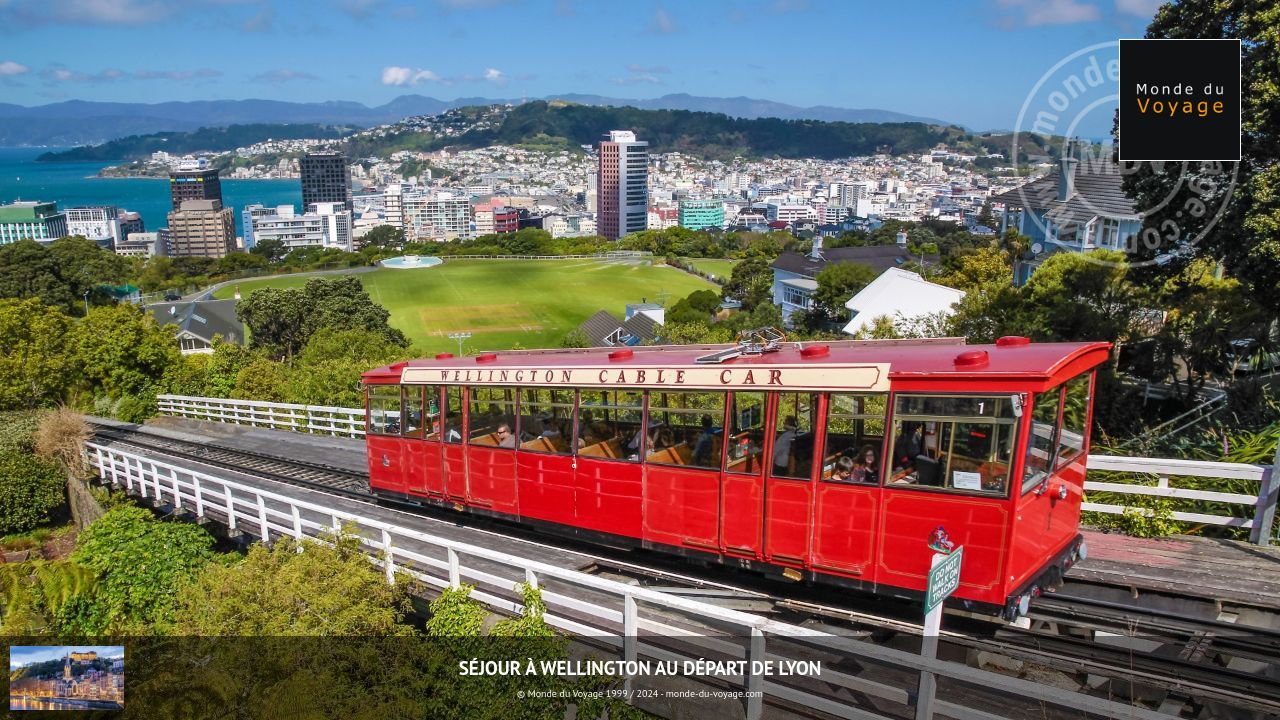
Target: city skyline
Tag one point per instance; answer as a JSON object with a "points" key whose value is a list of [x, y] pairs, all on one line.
{"points": [[21, 656], [898, 57]]}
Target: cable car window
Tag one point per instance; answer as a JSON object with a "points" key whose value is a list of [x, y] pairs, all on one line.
{"points": [[412, 411], [1075, 413], [1043, 440], [746, 433], [546, 421], [609, 425], [453, 414], [957, 443], [793, 435], [431, 408], [492, 417], [686, 428], [384, 409], [855, 434]]}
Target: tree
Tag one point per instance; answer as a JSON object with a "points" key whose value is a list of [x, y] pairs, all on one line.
{"points": [[223, 368], [987, 217], [750, 283], [29, 270], [282, 321], [1082, 296], [274, 250], [37, 357], [985, 267], [837, 283], [84, 265], [328, 589], [383, 236], [1246, 235], [124, 351], [141, 564], [239, 262], [575, 338]]}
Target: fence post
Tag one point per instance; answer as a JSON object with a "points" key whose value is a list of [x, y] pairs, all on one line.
{"points": [[755, 680], [1265, 515], [297, 526], [231, 507], [455, 572], [262, 518], [391, 563], [195, 483], [630, 636]]}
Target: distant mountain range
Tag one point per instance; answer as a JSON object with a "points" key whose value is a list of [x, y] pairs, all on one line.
{"points": [[80, 122]]}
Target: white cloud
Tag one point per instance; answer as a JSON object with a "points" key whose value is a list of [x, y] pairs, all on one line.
{"points": [[495, 75], [642, 78], [1140, 8], [88, 12], [1050, 12], [9, 68], [394, 75], [276, 77], [662, 22]]}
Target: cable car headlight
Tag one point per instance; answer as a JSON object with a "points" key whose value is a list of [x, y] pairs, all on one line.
{"points": [[1024, 604]]}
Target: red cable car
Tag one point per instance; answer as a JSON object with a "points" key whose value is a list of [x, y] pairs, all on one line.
{"points": [[848, 463]]}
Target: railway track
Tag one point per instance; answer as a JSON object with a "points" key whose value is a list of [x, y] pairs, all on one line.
{"points": [[1190, 659]]}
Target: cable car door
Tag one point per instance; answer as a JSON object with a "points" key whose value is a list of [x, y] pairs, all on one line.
{"points": [[847, 494], [454, 453], [789, 476]]}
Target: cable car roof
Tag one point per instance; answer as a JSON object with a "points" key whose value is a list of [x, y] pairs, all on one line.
{"points": [[825, 365]]}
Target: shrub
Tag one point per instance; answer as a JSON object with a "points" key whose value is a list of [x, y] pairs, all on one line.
{"points": [[17, 430], [60, 436], [135, 409], [30, 490]]}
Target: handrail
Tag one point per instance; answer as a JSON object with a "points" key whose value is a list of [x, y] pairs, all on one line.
{"points": [[275, 515], [350, 422]]}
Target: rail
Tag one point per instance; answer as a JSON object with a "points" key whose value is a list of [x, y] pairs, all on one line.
{"points": [[314, 419], [637, 622], [1263, 502]]}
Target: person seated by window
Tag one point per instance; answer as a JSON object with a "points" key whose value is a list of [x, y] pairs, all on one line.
{"points": [[550, 430], [908, 445], [704, 445], [843, 470], [663, 439], [505, 438], [782, 446], [866, 469]]}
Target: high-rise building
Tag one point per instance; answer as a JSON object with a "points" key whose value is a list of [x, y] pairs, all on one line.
{"points": [[249, 215], [699, 214], [202, 228], [623, 186], [325, 179], [194, 184], [26, 220], [100, 223]]}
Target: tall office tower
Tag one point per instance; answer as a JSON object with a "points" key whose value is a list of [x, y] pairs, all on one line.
{"points": [[202, 228], [325, 179], [193, 184], [623, 185]]}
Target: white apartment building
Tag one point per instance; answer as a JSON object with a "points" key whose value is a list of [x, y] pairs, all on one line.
{"points": [[789, 212], [436, 217], [99, 223], [482, 218], [327, 225]]}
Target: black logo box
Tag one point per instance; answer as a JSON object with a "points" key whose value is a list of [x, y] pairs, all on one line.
{"points": [[1201, 72]]}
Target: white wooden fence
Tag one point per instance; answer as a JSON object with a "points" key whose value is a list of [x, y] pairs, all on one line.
{"points": [[350, 422], [315, 419], [1263, 501], [637, 622]]}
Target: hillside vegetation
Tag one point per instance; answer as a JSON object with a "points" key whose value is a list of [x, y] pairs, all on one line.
{"points": [[217, 139]]}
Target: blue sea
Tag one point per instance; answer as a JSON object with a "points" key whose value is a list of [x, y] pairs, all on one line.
{"points": [[71, 184]]}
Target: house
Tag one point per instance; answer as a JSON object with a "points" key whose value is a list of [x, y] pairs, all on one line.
{"points": [[901, 295], [795, 275], [1079, 207], [199, 322], [605, 330]]}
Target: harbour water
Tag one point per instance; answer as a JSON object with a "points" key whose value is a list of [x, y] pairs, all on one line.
{"points": [[17, 702], [71, 184]]}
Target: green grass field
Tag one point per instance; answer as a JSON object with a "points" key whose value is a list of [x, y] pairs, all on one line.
{"points": [[503, 302], [711, 266]]}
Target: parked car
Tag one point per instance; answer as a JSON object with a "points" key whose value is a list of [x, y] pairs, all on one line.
{"points": [[1251, 356]]}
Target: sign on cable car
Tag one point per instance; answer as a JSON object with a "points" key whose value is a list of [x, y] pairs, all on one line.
{"points": [[944, 579]]}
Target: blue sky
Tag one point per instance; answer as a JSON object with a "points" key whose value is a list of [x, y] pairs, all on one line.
{"points": [[26, 654], [971, 61]]}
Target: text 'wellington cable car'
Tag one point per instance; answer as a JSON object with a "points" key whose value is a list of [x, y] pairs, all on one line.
{"points": [[847, 463]]}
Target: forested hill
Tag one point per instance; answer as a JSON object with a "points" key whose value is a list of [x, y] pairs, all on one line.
{"points": [[708, 135], [218, 139], [712, 134], [561, 125]]}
